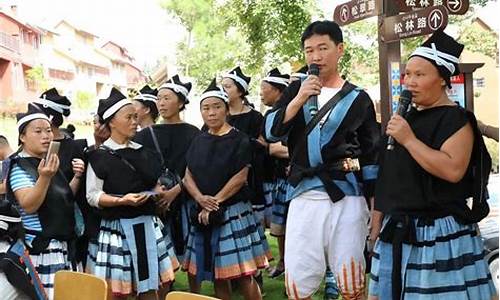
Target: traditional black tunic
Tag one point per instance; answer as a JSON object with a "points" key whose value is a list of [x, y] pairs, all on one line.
{"points": [[349, 131], [405, 188], [251, 124], [120, 179], [214, 160], [174, 141]]}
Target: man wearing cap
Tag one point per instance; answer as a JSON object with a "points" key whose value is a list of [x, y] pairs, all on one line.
{"points": [[332, 141]]}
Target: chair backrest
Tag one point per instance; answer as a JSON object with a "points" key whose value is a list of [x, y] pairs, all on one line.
{"points": [[70, 285], [187, 296]]}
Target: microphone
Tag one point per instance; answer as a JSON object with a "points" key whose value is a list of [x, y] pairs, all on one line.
{"points": [[403, 104], [313, 100]]}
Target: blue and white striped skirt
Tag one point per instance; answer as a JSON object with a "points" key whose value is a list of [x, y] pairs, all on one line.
{"points": [[186, 207], [280, 207], [263, 212], [111, 258], [49, 261], [239, 246], [446, 262]]}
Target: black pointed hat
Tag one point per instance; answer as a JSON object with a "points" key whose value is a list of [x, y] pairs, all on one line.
{"points": [[34, 112], [276, 79], [52, 103], [443, 52], [181, 89], [214, 91], [109, 106], [147, 94], [240, 79]]}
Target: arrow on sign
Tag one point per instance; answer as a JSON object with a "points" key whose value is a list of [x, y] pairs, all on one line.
{"points": [[454, 5], [435, 19], [344, 13]]}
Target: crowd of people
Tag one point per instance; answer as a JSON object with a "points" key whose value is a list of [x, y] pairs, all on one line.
{"points": [[151, 197]]}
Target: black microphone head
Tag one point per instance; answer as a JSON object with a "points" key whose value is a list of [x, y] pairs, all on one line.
{"points": [[313, 69], [405, 97]]}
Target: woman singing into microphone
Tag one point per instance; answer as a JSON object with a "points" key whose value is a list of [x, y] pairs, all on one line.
{"points": [[428, 246]]}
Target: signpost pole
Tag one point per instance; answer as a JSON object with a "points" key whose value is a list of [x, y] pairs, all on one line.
{"points": [[388, 52]]}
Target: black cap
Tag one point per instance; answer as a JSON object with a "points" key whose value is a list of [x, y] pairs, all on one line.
{"points": [[181, 89], [276, 79], [147, 94], [109, 106], [443, 52], [240, 79], [34, 112], [214, 91], [53, 104]]}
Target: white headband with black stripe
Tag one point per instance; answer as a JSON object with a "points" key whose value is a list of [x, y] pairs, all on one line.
{"points": [[278, 80], [238, 79], [176, 88], [218, 94], [31, 117], [146, 97], [51, 104], [114, 108], [441, 58]]}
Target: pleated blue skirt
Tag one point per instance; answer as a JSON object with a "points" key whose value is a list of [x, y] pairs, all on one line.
{"points": [[446, 262]]}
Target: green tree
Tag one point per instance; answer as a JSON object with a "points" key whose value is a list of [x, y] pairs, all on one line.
{"points": [[213, 45], [37, 76], [249, 33], [84, 100], [272, 28]]}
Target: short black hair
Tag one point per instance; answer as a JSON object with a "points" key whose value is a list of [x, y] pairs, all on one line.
{"points": [[325, 27], [153, 110]]}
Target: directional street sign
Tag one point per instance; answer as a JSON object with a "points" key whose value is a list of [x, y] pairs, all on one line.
{"points": [[454, 7], [416, 23], [355, 10]]}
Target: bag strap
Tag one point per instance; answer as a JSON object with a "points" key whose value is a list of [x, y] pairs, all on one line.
{"points": [[346, 89], [157, 145], [114, 153]]}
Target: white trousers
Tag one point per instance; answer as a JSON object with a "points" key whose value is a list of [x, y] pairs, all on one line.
{"points": [[321, 233]]}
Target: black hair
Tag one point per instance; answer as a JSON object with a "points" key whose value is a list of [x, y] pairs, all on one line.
{"points": [[153, 110], [325, 27], [69, 131]]}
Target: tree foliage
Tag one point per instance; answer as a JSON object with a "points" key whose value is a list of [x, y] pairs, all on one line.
{"points": [[253, 34], [272, 28], [37, 76]]}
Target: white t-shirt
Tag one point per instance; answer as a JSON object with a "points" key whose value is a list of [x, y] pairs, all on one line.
{"points": [[326, 94]]}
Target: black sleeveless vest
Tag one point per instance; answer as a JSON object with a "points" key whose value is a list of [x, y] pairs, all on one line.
{"points": [[56, 214], [120, 178]]}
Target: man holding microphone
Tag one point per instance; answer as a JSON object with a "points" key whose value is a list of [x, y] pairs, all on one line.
{"points": [[333, 142]]}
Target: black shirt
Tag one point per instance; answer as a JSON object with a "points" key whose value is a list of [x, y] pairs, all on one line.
{"points": [[214, 160], [174, 141], [403, 187]]}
